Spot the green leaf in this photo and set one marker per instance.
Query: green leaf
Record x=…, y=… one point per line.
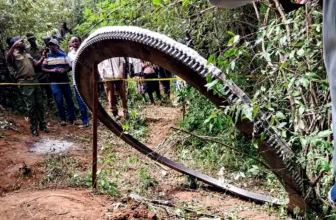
x=212, y=59
x=211, y=84
x=296, y=93
x=300, y=52
x=156, y=2
x=234, y=40
x=231, y=52
x=255, y=144
x=304, y=82
x=255, y=110
x=231, y=33
x=280, y=115
x=324, y=134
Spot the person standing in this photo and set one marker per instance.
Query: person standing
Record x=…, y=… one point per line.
x=74, y=44
x=65, y=30
x=56, y=64
x=151, y=85
x=139, y=75
x=165, y=74
x=114, y=69
x=32, y=94
x=36, y=52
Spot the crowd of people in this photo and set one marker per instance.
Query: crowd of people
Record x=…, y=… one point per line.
x=44, y=70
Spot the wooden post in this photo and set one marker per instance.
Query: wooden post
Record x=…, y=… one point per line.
x=95, y=127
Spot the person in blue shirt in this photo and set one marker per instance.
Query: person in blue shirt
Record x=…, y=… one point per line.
x=56, y=64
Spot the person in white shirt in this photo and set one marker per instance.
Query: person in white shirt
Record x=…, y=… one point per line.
x=114, y=69
x=74, y=44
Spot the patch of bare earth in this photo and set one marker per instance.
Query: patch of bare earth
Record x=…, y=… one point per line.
x=69, y=203
x=171, y=185
x=20, y=163
x=52, y=204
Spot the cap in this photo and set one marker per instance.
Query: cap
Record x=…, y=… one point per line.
x=30, y=35
x=53, y=41
x=14, y=39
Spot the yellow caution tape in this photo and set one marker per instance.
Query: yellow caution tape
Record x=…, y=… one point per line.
x=109, y=80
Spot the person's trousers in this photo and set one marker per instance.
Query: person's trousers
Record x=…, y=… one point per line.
x=112, y=98
x=329, y=38
x=82, y=108
x=60, y=91
x=164, y=74
x=152, y=86
x=43, y=77
x=32, y=96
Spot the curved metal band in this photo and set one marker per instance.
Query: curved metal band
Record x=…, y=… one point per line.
x=156, y=48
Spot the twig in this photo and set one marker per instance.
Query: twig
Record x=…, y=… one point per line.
x=158, y=202
x=317, y=179
x=223, y=144
x=203, y=11
x=267, y=16
x=256, y=11
x=313, y=183
x=283, y=17
x=169, y=204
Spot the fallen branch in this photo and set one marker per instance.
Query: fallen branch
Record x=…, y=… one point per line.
x=158, y=202
x=168, y=203
x=220, y=143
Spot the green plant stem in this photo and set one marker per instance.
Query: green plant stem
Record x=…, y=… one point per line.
x=208, y=139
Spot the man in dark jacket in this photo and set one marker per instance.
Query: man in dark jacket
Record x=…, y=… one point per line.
x=65, y=30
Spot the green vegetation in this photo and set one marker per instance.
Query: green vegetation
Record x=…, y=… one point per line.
x=275, y=59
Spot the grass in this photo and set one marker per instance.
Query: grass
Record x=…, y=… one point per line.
x=58, y=170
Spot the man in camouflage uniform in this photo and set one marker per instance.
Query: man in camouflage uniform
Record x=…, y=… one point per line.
x=36, y=52
x=32, y=94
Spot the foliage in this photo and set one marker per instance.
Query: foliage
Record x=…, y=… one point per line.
x=16, y=18
x=275, y=59
x=105, y=175
x=146, y=181
x=58, y=169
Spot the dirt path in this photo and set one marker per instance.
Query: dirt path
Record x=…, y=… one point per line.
x=52, y=204
x=21, y=155
x=21, y=168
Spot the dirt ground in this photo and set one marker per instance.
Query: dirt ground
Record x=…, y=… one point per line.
x=26, y=192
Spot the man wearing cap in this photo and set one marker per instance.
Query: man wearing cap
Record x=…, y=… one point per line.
x=32, y=94
x=56, y=64
x=36, y=52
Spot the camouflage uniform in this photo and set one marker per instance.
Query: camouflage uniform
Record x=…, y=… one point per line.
x=32, y=94
x=42, y=77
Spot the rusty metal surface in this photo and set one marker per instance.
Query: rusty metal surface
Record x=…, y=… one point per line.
x=95, y=127
x=186, y=63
